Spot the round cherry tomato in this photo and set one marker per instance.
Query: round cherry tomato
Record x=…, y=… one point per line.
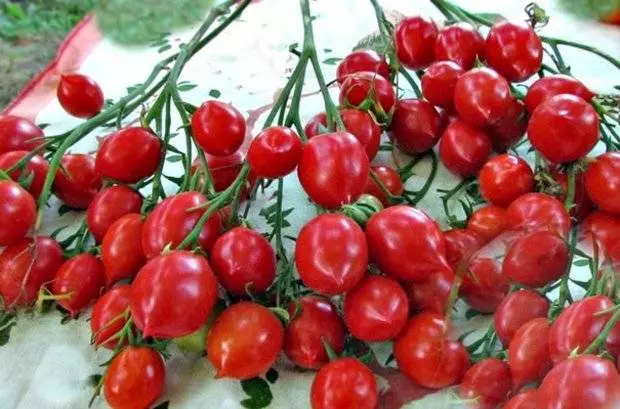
x=406, y=244
x=344, y=383
x=333, y=169
x=507, y=131
x=19, y=134
x=134, y=379
x=360, y=86
x=484, y=286
x=482, y=97
x=463, y=149
x=108, y=206
x=218, y=128
x=517, y=309
x=245, y=341
x=563, y=128
x=461, y=244
x=18, y=212
x=25, y=267
x=605, y=229
x=76, y=184
x=275, y=152
x=552, y=85
x=36, y=169
x=460, y=43
x=121, y=250
x=431, y=295
x=243, y=261
x=514, y=50
x=79, y=95
x=109, y=316
x=603, y=182
x=362, y=60
x=78, y=282
x=414, y=39
x=488, y=382
x=390, y=179
x=317, y=322
x=538, y=211
x=523, y=400
x=439, y=83
x=416, y=126
x=528, y=352
x=504, y=178
x=488, y=222
x=323, y=262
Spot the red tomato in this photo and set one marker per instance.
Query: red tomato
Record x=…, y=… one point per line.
x=243, y=261
x=214, y=119
x=482, y=97
x=224, y=170
x=563, y=128
x=488, y=222
x=507, y=131
x=79, y=95
x=524, y=400
x=484, y=286
x=331, y=254
x=135, y=378
x=538, y=211
x=582, y=203
x=439, y=83
x=25, y=267
x=528, y=353
x=36, y=168
x=367, y=85
x=426, y=357
x=504, y=178
x=333, y=169
x=514, y=50
x=109, y=316
x=173, y=295
x=121, y=250
x=414, y=38
x=275, y=152
x=108, y=206
x=613, y=342
x=463, y=149
x=605, y=229
x=431, y=295
x=245, y=341
x=517, y=309
x=390, y=179
x=461, y=244
x=344, y=383
x=488, y=382
x=362, y=60
x=18, y=212
x=317, y=322
x=78, y=282
x=416, y=126
x=603, y=182
x=552, y=85
x=460, y=43
x=19, y=134
x=76, y=184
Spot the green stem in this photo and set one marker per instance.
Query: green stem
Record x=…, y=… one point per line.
x=419, y=195
x=411, y=81
x=599, y=341
x=569, y=202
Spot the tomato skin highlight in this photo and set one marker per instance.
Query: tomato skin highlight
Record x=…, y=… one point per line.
x=211, y=121
x=488, y=381
x=602, y=180
x=517, y=309
x=538, y=211
x=414, y=38
x=416, y=126
x=36, y=167
x=76, y=184
x=107, y=318
x=488, y=222
x=121, y=248
x=361, y=85
x=439, y=83
x=482, y=97
x=362, y=60
x=108, y=206
x=79, y=95
x=461, y=43
x=504, y=178
x=523, y=400
x=464, y=149
x=528, y=352
x=274, y=152
x=552, y=85
x=344, y=383
x=604, y=228
x=80, y=279
x=18, y=212
x=19, y=134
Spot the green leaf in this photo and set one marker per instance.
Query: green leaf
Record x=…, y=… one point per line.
x=94, y=379
x=332, y=60
x=176, y=180
x=64, y=209
x=7, y=322
x=375, y=41
x=327, y=50
x=259, y=393
x=164, y=48
x=581, y=263
x=389, y=359
x=492, y=17
x=469, y=314
x=186, y=87
x=43, y=126
x=215, y=93
x=174, y=158
x=15, y=11
x=272, y=375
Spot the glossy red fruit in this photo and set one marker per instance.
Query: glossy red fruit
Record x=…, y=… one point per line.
x=108, y=206
x=604, y=228
x=314, y=321
x=523, y=400
x=362, y=85
x=78, y=282
x=376, y=309
x=333, y=169
x=218, y=128
x=461, y=244
x=76, y=184
x=224, y=170
x=528, y=353
x=484, y=285
x=414, y=38
x=173, y=295
x=245, y=341
x=243, y=261
x=488, y=382
x=416, y=126
x=18, y=212
x=274, y=152
x=504, y=178
x=463, y=149
x=552, y=85
x=439, y=83
x=135, y=378
x=613, y=342
x=431, y=295
x=109, y=316
x=362, y=60
x=517, y=309
x=509, y=130
x=25, y=267
x=390, y=179
x=582, y=203
x=563, y=128
x=603, y=182
x=331, y=254
x=514, y=50
x=34, y=170
x=79, y=95
x=482, y=97
x=460, y=43
x=538, y=211
x=344, y=383
x=488, y=222
x=19, y=134
x=121, y=250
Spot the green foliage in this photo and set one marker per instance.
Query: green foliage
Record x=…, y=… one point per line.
x=260, y=395
x=591, y=8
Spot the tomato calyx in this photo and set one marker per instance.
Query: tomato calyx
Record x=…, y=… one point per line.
x=362, y=209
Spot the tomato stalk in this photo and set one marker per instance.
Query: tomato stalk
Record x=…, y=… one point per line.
x=599, y=341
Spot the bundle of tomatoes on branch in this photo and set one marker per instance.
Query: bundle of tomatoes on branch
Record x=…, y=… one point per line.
x=187, y=267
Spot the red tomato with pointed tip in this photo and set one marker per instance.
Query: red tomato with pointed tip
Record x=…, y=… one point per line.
x=528, y=352
x=108, y=206
x=344, y=383
x=488, y=222
x=218, y=128
x=582, y=203
x=461, y=43
x=79, y=95
x=461, y=244
x=390, y=179
x=517, y=309
x=431, y=295
x=414, y=38
x=362, y=60
x=603, y=182
x=317, y=322
x=245, y=341
x=76, y=183
x=523, y=400
x=484, y=285
x=275, y=152
x=18, y=212
x=121, y=250
x=36, y=169
x=514, y=50
x=19, y=134
x=78, y=282
x=482, y=97
x=357, y=87
x=604, y=228
x=504, y=178
x=552, y=85
x=109, y=316
x=416, y=126
x=509, y=130
x=488, y=382
x=463, y=149
x=439, y=83
x=538, y=211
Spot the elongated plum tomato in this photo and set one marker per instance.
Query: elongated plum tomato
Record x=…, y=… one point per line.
x=19, y=134
x=357, y=87
x=79, y=95
x=76, y=184
x=243, y=261
x=523, y=400
x=514, y=50
x=484, y=286
x=25, y=267
x=460, y=43
x=108, y=206
x=274, y=152
x=109, y=316
x=508, y=130
x=391, y=181
x=35, y=170
x=331, y=254
x=17, y=212
x=504, y=178
x=362, y=60
x=78, y=282
x=218, y=128
x=245, y=341
x=528, y=352
x=488, y=222
x=344, y=383
x=552, y=85
x=563, y=128
x=432, y=294
x=439, y=83
x=134, y=379
x=376, y=309
x=426, y=356
x=333, y=169
x=461, y=244
x=538, y=211
x=517, y=309
x=604, y=228
x=414, y=39
x=128, y=155
x=463, y=149
x=416, y=126
x=406, y=244
x=482, y=97
x=121, y=250
x=317, y=322
x=603, y=182
x=488, y=381
x=173, y=295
